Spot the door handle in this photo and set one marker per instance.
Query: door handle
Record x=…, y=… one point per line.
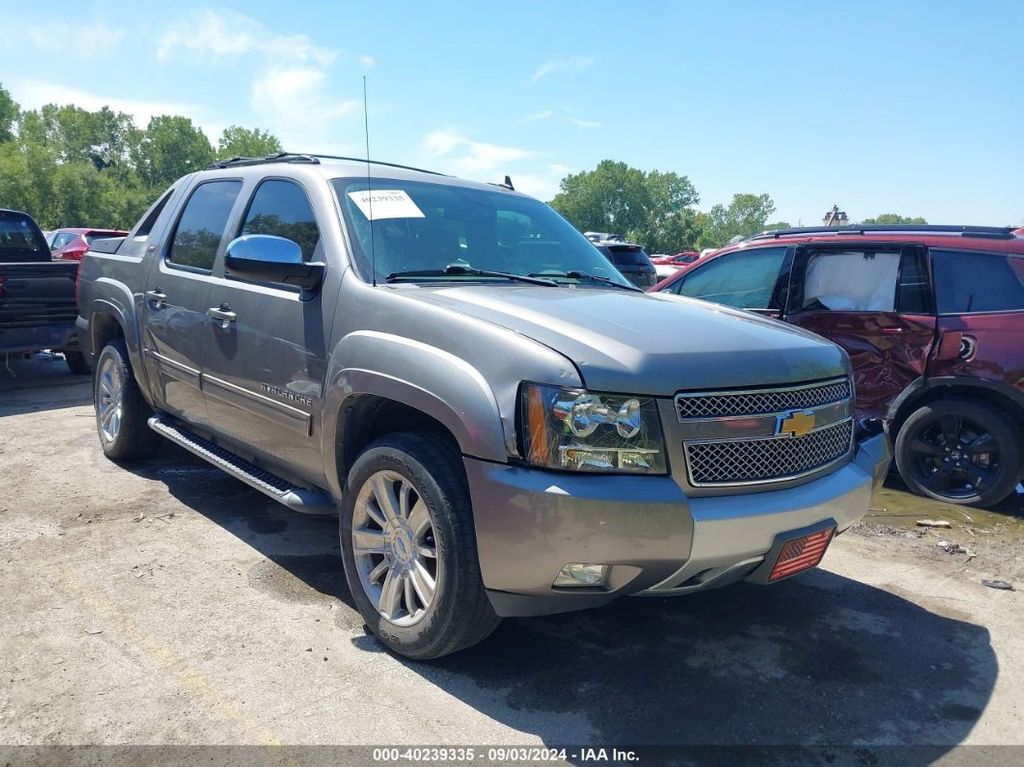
x=157, y=297
x=223, y=315
x=892, y=331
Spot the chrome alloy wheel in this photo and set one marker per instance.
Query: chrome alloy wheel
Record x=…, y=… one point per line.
x=109, y=403
x=394, y=547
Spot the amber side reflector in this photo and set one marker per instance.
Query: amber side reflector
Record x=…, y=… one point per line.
x=801, y=553
x=539, y=448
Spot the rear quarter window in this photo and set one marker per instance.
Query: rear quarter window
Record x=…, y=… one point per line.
x=969, y=282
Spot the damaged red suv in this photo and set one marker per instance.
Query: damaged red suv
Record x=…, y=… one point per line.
x=933, y=320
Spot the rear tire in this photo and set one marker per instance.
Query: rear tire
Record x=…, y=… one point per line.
x=959, y=451
x=121, y=412
x=77, y=363
x=427, y=606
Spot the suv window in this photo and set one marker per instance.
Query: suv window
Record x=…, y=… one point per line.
x=745, y=280
x=627, y=255
x=851, y=281
x=972, y=281
x=202, y=224
x=281, y=208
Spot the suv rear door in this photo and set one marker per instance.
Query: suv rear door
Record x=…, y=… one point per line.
x=980, y=302
x=873, y=300
x=267, y=364
x=175, y=325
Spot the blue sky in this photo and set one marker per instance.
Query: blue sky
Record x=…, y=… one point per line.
x=908, y=107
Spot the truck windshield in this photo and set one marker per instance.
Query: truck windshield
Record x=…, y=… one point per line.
x=421, y=227
x=19, y=236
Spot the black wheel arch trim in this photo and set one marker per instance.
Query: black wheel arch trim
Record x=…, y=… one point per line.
x=922, y=385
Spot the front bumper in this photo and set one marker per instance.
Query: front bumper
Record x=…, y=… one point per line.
x=530, y=523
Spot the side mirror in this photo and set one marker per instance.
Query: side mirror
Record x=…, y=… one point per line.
x=267, y=258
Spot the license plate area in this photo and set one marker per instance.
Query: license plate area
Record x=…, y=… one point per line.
x=796, y=554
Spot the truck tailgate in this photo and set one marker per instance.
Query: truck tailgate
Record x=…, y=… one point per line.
x=37, y=293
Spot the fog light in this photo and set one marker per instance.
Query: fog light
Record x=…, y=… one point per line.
x=577, y=574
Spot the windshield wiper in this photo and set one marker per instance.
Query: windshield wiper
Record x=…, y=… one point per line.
x=586, y=277
x=468, y=271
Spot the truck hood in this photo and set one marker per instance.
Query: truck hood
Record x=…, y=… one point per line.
x=644, y=343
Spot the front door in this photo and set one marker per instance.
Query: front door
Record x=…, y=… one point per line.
x=875, y=302
x=174, y=320
x=267, y=363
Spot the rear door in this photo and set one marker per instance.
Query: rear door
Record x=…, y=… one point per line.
x=754, y=279
x=267, y=364
x=175, y=325
x=875, y=302
x=980, y=303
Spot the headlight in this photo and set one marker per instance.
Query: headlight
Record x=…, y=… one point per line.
x=578, y=430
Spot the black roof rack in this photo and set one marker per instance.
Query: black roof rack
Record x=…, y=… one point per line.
x=994, y=232
x=374, y=162
x=308, y=158
x=234, y=162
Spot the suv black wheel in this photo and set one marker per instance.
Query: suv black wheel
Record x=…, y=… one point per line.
x=121, y=412
x=960, y=452
x=409, y=547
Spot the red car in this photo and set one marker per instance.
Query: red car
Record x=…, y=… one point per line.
x=71, y=244
x=933, y=320
x=679, y=259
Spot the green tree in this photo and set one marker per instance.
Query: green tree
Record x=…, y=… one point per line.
x=894, y=219
x=171, y=147
x=237, y=141
x=615, y=197
x=9, y=112
x=747, y=214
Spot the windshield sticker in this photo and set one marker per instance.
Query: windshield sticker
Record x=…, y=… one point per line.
x=386, y=203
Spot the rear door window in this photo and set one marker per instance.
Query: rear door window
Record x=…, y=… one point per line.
x=202, y=224
x=745, y=279
x=970, y=282
x=850, y=281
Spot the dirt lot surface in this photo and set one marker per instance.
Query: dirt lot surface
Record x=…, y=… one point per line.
x=166, y=603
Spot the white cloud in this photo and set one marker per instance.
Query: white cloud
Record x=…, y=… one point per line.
x=542, y=184
x=295, y=104
x=291, y=92
x=568, y=64
x=220, y=34
x=460, y=155
x=543, y=114
x=56, y=36
x=32, y=94
x=584, y=123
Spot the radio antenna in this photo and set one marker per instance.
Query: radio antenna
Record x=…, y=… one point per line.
x=369, y=188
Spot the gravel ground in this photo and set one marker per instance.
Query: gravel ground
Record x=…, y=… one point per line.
x=166, y=603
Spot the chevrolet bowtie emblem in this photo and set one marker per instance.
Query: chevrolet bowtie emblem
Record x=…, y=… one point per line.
x=796, y=424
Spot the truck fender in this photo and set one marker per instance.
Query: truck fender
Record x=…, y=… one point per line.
x=117, y=302
x=421, y=376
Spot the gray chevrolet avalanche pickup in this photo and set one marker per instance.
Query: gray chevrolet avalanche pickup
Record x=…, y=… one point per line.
x=503, y=424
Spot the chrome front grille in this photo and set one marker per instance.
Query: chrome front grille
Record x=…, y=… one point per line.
x=765, y=435
x=771, y=459
x=761, y=401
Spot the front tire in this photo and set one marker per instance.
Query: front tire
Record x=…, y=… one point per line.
x=121, y=412
x=959, y=451
x=409, y=547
